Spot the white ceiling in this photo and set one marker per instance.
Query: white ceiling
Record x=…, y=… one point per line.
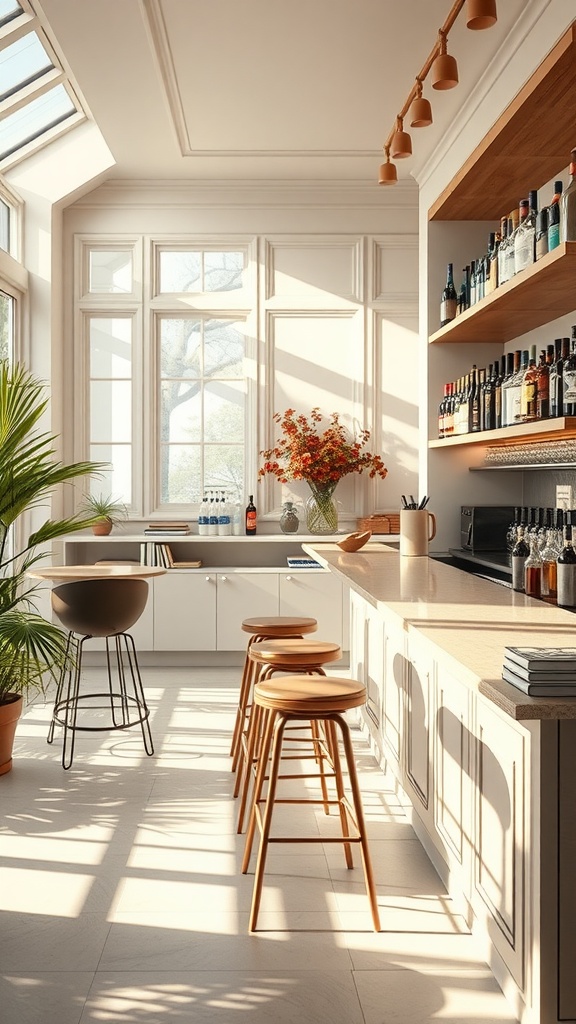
x=261, y=89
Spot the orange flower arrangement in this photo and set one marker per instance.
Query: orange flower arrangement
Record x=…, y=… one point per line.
x=319, y=458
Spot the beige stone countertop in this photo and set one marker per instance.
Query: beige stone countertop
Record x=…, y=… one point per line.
x=468, y=620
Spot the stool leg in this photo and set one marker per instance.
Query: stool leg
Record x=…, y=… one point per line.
x=253, y=741
x=320, y=757
x=267, y=819
x=141, y=705
x=64, y=672
x=71, y=707
x=243, y=698
x=269, y=717
x=339, y=782
x=357, y=803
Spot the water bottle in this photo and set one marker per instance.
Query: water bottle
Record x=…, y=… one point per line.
x=213, y=516
x=203, y=517
x=224, y=524
x=237, y=520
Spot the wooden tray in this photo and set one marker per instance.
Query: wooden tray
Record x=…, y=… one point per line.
x=381, y=522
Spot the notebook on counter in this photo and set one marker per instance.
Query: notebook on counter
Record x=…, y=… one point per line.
x=302, y=563
x=550, y=659
x=551, y=689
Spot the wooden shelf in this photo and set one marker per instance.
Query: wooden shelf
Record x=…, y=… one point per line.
x=561, y=429
x=533, y=297
x=529, y=144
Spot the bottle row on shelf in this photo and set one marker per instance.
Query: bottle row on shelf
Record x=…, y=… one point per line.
x=524, y=236
x=543, y=555
x=218, y=516
x=515, y=389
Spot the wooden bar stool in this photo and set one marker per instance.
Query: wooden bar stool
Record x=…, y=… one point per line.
x=296, y=699
x=268, y=657
x=265, y=627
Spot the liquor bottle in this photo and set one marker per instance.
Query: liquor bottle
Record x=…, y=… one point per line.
x=566, y=570
x=549, y=567
x=554, y=217
x=473, y=296
x=520, y=553
x=203, y=517
x=555, y=383
x=464, y=405
x=501, y=259
x=533, y=570
x=499, y=369
x=513, y=223
x=516, y=389
x=462, y=303
x=480, y=278
x=449, y=418
x=543, y=388
x=512, y=531
x=492, y=263
x=488, y=418
x=569, y=379
x=472, y=397
x=476, y=400
x=449, y=299
x=568, y=205
x=442, y=408
x=456, y=406
x=251, y=517
x=525, y=238
x=512, y=366
x=528, y=399
x=542, y=233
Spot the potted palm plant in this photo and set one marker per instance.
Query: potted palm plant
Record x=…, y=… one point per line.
x=105, y=511
x=31, y=648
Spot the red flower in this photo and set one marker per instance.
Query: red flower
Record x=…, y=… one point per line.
x=302, y=453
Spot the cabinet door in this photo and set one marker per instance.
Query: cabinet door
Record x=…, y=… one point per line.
x=185, y=611
x=242, y=596
x=317, y=594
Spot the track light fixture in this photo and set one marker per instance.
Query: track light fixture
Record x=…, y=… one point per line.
x=401, y=142
x=480, y=14
x=444, y=68
x=388, y=174
x=420, y=112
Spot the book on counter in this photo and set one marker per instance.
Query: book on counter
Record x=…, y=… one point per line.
x=302, y=563
x=545, y=675
x=554, y=688
x=557, y=659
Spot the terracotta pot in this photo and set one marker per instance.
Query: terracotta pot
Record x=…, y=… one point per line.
x=103, y=528
x=9, y=715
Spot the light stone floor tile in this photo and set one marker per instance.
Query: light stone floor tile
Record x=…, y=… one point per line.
x=419, y=997
x=224, y=997
x=121, y=896
x=55, y=997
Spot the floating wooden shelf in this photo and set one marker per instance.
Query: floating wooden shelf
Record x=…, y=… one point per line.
x=561, y=429
x=528, y=146
x=534, y=297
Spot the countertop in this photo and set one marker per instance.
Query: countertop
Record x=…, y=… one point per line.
x=468, y=620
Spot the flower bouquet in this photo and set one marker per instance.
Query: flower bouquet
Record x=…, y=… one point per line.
x=321, y=458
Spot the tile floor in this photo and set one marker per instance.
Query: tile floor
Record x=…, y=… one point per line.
x=121, y=898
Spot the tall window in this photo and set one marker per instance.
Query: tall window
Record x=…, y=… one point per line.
x=168, y=366
x=7, y=305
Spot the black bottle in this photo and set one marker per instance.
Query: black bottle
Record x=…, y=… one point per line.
x=520, y=553
x=251, y=517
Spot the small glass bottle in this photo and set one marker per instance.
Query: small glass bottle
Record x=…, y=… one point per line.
x=520, y=553
x=554, y=218
x=568, y=205
x=533, y=570
x=549, y=567
x=251, y=517
x=448, y=301
x=289, y=521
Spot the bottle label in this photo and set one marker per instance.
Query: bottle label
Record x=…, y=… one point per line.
x=251, y=520
x=553, y=236
x=570, y=385
x=447, y=310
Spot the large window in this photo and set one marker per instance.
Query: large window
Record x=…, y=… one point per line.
x=167, y=367
x=7, y=307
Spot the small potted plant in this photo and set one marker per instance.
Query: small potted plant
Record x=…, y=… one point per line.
x=106, y=512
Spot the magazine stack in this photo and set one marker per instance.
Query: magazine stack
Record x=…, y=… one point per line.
x=541, y=671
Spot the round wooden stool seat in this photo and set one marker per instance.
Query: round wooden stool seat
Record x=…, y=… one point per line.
x=280, y=625
x=310, y=695
x=292, y=654
x=323, y=700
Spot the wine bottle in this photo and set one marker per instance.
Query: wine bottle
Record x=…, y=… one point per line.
x=542, y=233
x=251, y=516
x=566, y=570
x=569, y=378
x=543, y=387
x=549, y=567
x=525, y=237
x=554, y=217
x=449, y=299
x=568, y=205
x=533, y=570
x=520, y=553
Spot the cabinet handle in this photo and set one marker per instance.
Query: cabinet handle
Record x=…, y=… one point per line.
x=208, y=579
x=288, y=577
x=224, y=578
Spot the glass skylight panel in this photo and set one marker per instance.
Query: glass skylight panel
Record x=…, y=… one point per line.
x=34, y=119
x=22, y=62
x=9, y=10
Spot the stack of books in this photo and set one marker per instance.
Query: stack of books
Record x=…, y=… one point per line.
x=172, y=529
x=152, y=553
x=541, y=671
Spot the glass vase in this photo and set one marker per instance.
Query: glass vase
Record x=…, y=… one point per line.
x=289, y=521
x=321, y=511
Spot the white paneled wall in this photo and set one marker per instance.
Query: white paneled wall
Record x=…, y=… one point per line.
x=334, y=300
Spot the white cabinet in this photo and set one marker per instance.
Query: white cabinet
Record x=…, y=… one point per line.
x=185, y=611
x=241, y=596
x=315, y=593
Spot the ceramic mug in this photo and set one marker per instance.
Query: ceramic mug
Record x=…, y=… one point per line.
x=417, y=529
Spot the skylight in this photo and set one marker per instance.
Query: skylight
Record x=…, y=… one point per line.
x=37, y=101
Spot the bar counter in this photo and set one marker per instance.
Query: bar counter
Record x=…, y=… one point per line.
x=469, y=620
x=487, y=775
